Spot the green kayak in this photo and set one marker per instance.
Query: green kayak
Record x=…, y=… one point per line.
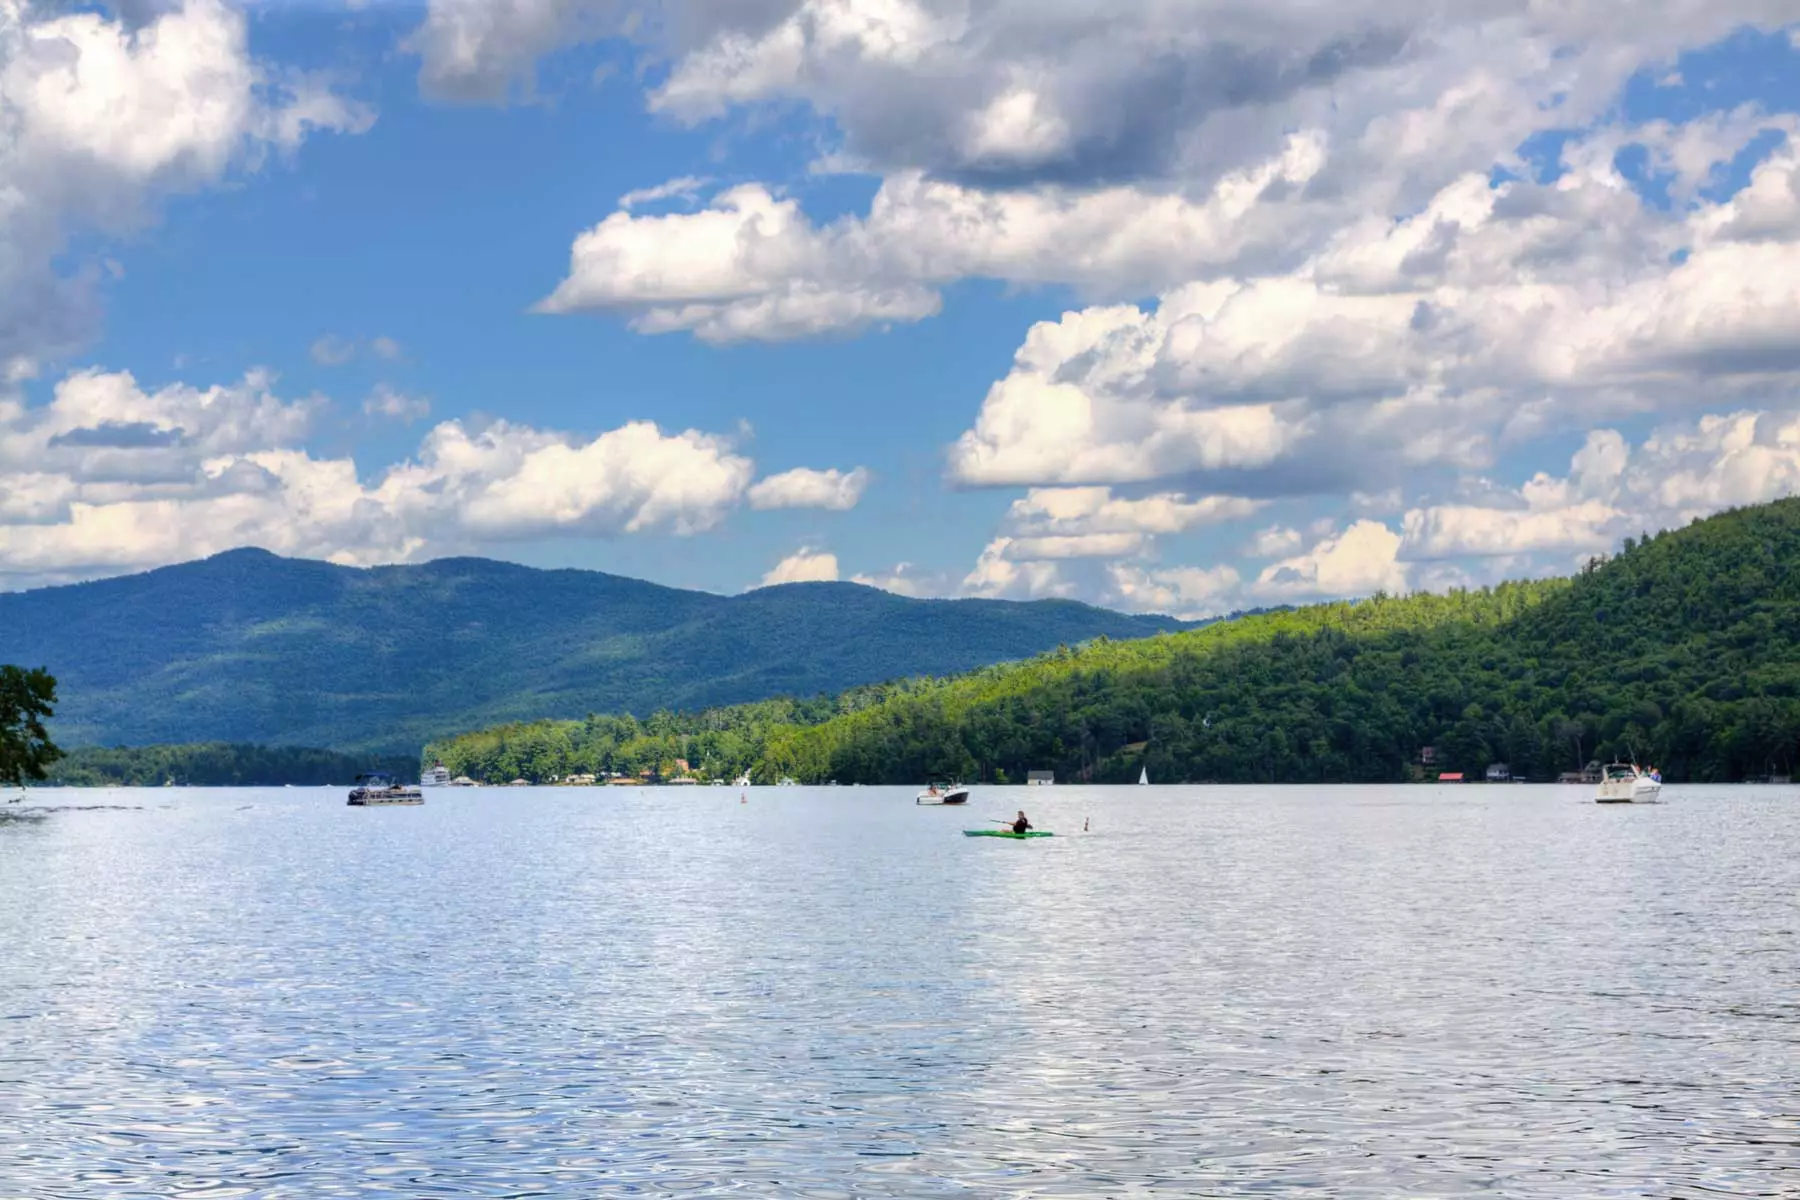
x=1005, y=833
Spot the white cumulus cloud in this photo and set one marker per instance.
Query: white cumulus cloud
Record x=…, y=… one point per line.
x=805, y=565
x=1276, y=541
x=906, y=579
x=395, y=405
x=1096, y=510
x=111, y=476
x=804, y=487
x=99, y=118
x=752, y=265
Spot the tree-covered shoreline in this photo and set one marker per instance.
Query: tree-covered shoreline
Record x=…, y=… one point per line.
x=1682, y=650
x=220, y=764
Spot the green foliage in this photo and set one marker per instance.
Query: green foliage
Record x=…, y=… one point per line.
x=27, y=700
x=716, y=743
x=219, y=764
x=1683, y=651
x=249, y=647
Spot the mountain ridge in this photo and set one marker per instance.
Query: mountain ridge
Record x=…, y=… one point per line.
x=247, y=646
x=1681, y=650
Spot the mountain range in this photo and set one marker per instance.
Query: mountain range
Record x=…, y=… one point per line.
x=251, y=647
x=1681, y=650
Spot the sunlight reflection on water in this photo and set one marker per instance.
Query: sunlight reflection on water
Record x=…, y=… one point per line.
x=1219, y=991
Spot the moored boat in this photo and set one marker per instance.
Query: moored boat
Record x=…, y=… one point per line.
x=378, y=788
x=1627, y=783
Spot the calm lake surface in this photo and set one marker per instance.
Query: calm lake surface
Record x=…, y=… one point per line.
x=1345, y=992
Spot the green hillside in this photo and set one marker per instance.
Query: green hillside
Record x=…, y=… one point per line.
x=1683, y=650
x=216, y=764
x=247, y=647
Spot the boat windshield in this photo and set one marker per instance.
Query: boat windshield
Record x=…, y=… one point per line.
x=1620, y=772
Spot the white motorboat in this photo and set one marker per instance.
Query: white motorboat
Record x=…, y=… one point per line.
x=1627, y=783
x=943, y=793
x=438, y=776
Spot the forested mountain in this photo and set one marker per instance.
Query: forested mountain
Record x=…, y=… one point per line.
x=1683, y=650
x=250, y=647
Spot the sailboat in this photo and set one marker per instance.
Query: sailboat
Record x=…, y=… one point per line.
x=1143, y=776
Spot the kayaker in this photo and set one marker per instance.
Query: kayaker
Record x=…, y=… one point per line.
x=1021, y=825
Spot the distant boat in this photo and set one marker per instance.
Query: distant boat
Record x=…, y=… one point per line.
x=742, y=781
x=438, y=776
x=379, y=788
x=1143, y=776
x=943, y=793
x=1626, y=783
x=787, y=781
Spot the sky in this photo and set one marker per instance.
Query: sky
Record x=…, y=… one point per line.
x=1182, y=306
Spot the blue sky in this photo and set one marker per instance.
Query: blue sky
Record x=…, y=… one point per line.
x=1164, y=307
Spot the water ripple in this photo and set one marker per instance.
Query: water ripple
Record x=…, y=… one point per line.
x=1348, y=992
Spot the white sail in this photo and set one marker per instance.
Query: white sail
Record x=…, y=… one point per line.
x=1144, y=777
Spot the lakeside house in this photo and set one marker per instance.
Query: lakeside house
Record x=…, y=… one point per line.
x=1499, y=773
x=1450, y=777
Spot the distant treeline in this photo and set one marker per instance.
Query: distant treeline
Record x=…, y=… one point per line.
x=1683, y=650
x=220, y=764
x=718, y=743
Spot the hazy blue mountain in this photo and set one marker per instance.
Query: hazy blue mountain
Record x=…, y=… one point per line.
x=251, y=647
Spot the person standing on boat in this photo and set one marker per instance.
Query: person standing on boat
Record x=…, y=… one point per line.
x=1021, y=825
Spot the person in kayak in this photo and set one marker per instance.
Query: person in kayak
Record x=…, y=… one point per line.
x=1021, y=825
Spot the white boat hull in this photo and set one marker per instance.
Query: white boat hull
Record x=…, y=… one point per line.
x=950, y=796
x=1640, y=790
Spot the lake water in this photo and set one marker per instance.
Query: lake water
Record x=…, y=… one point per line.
x=1347, y=992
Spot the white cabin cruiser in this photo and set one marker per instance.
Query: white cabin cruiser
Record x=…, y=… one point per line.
x=943, y=793
x=1626, y=783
